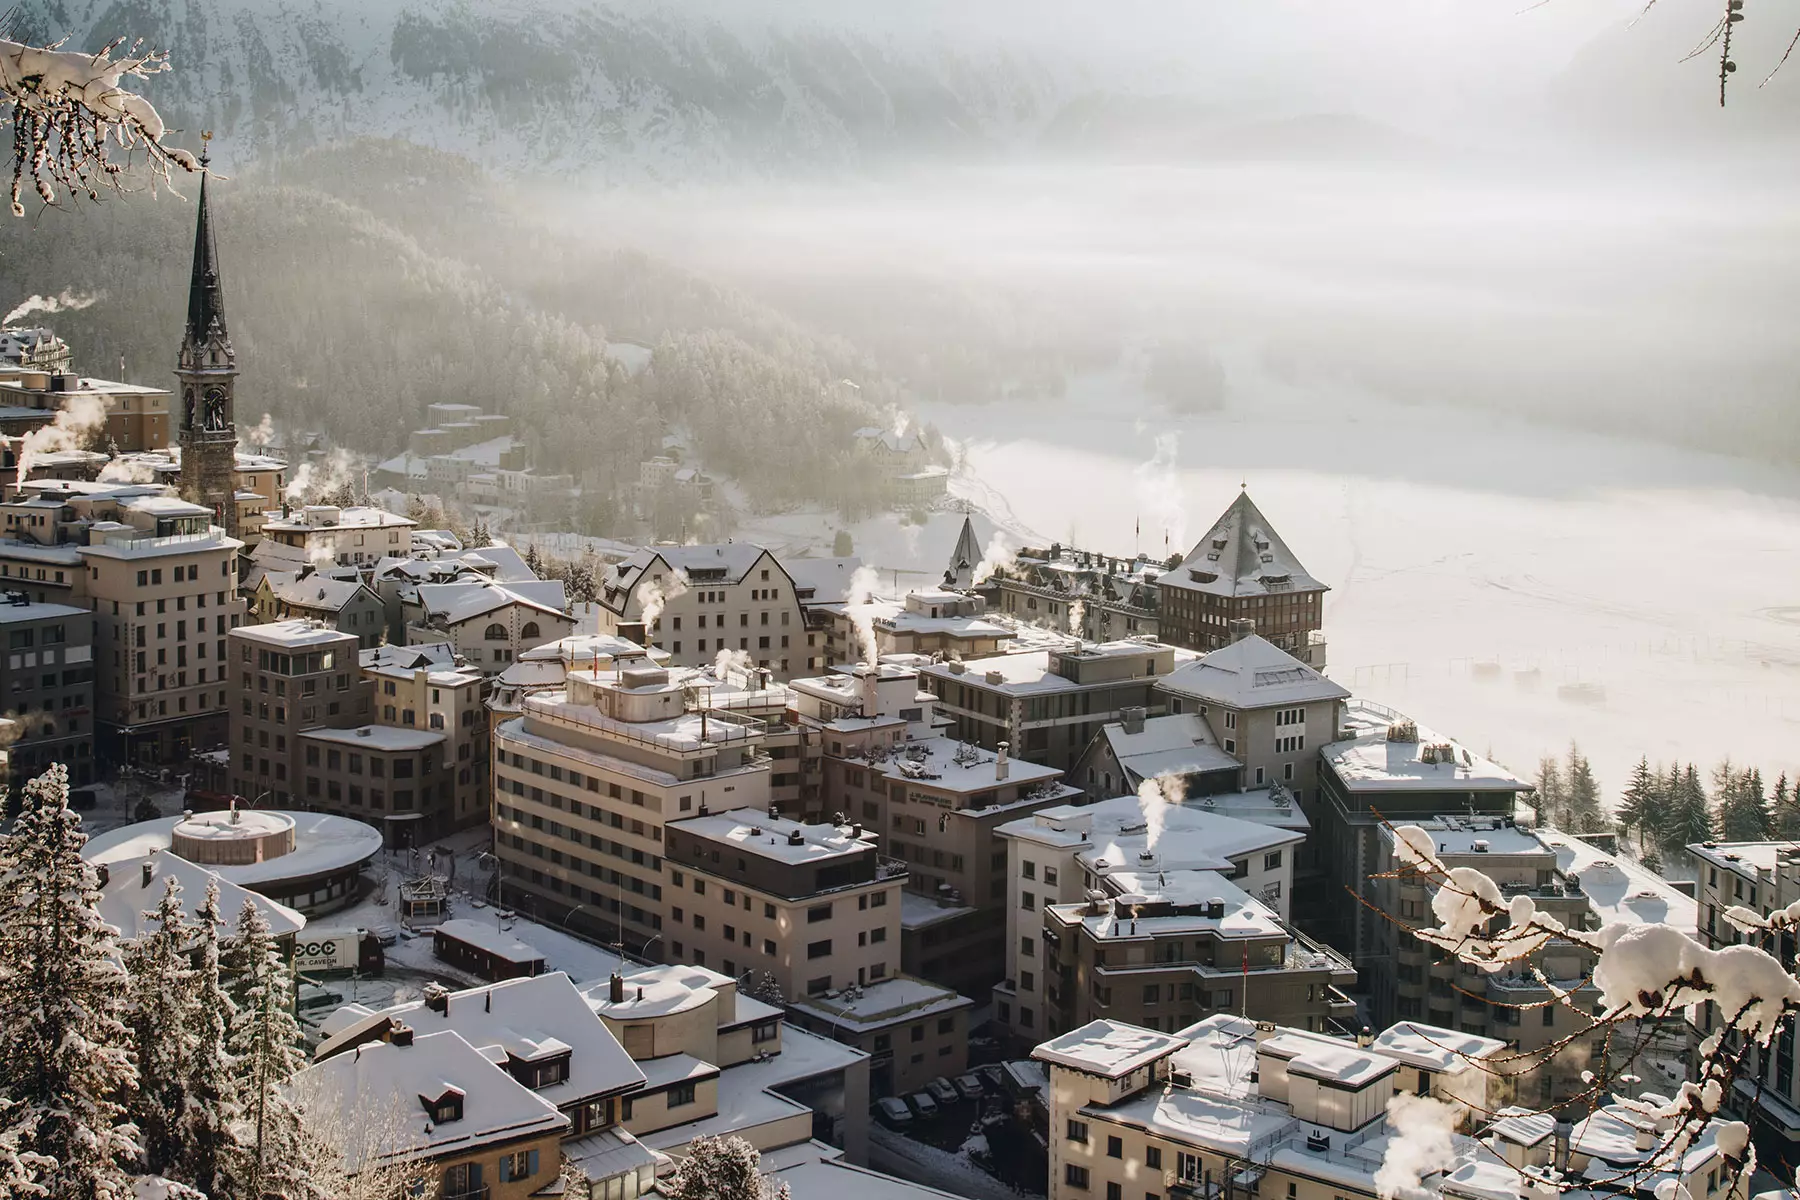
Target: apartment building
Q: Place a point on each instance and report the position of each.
(1229, 1106)
(1579, 884)
(1092, 595)
(1048, 704)
(699, 600)
(912, 1031)
(1060, 856)
(162, 587)
(287, 677)
(344, 603)
(815, 907)
(842, 719)
(427, 688)
(357, 535)
(47, 688)
(584, 779)
(136, 416)
(1763, 877)
(820, 585)
(928, 622)
(490, 624)
(398, 780)
(718, 1062)
(432, 1100)
(939, 803)
(1387, 769)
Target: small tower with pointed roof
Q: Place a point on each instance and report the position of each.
(964, 559)
(207, 371)
(1242, 570)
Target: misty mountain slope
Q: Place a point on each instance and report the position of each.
(343, 322)
(565, 86)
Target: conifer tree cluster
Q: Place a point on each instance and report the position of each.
(1568, 795)
(1668, 809)
(165, 1057)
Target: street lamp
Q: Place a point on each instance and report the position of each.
(644, 950)
(570, 915)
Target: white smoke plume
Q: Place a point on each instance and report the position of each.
(262, 433)
(727, 661)
(1421, 1144)
(316, 480)
(1162, 504)
(1154, 798)
(127, 470)
(655, 596)
(1077, 616)
(997, 555)
(62, 302)
(75, 423)
(859, 602)
(898, 422)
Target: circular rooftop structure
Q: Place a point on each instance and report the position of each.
(234, 838)
(308, 861)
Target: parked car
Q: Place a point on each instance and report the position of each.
(924, 1105)
(968, 1084)
(943, 1091)
(892, 1112)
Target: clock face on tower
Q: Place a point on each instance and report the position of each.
(218, 402)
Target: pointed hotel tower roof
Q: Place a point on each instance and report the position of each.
(1242, 555)
(964, 559)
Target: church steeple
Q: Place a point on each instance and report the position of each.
(207, 369)
(206, 299)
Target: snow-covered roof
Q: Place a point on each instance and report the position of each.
(316, 591)
(657, 991)
(9, 613)
(1749, 859)
(378, 1095)
(1434, 1047)
(1251, 672)
(489, 939)
(1373, 763)
(834, 1179)
(874, 1005)
(1459, 835)
(945, 764)
(389, 738)
(294, 633)
(1177, 744)
(526, 1019)
(1110, 1049)
(820, 580)
(754, 831)
(322, 843)
(1618, 889)
(745, 1093)
(436, 658)
(1115, 832)
(726, 563)
(130, 891)
(1241, 555)
(454, 603)
(315, 518)
(610, 1153)
(508, 564)
(1172, 903)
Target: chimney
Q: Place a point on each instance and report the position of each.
(401, 1035)
(1366, 1038)
(437, 999)
(869, 685)
(1133, 719)
(1000, 763)
(1241, 628)
(149, 872)
(616, 988)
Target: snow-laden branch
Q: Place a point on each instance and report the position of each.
(1642, 971)
(70, 108)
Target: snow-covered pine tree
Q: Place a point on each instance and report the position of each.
(210, 1121)
(264, 1038)
(479, 536)
(65, 1052)
(1785, 806)
(1548, 802)
(161, 996)
(1744, 814)
(534, 560)
(1690, 814)
(1585, 813)
(1641, 807)
(723, 1168)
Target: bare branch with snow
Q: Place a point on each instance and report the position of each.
(70, 114)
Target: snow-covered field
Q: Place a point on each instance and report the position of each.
(1477, 564)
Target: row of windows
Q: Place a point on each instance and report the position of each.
(1028, 870)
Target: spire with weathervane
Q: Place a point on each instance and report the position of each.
(207, 369)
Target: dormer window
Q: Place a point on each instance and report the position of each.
(540, 1073)
(446, 1106)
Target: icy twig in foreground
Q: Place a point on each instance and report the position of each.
(69, 109)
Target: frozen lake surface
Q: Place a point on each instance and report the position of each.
(1477, 565)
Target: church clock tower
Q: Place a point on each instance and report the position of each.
(207, 370)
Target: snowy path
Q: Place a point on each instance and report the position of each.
(906, 1159)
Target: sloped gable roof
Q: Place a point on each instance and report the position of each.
(1242, 555)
